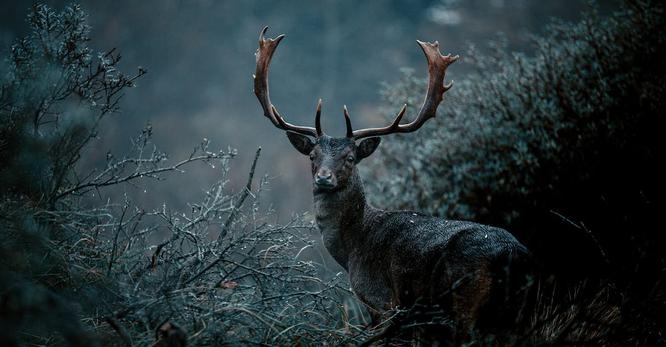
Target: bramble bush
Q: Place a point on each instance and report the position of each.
(83, 265)
(561, 146)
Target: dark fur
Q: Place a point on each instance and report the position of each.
(399, 258)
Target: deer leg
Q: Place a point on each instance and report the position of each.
(374, 295)
(468, 300)
(376, 307)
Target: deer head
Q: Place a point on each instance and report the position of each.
(334, 159)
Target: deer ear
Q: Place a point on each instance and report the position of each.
(302, 143)
(366, 147)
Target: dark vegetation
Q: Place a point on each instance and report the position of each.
(561, 147)
(80, 269)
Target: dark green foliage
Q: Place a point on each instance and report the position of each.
(52, 95)
(79, 268)
(562, 147)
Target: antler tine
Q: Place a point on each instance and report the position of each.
(437, 64)
(350, 133)
(264, 55)
(318, 119)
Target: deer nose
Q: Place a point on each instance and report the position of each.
(323, 177)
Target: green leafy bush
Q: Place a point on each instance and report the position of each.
(561, 146)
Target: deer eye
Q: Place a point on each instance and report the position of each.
(350, 158)
(312, 156)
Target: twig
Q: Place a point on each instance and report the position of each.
(589, 233)
(227, 223)
(241, 200)
(137, 174)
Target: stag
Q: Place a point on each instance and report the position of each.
(396, 258)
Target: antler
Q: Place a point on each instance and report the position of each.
(264, 54)
(437, 64)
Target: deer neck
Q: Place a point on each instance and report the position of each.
(340, 215)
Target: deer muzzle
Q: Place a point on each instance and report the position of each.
(324, 179)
